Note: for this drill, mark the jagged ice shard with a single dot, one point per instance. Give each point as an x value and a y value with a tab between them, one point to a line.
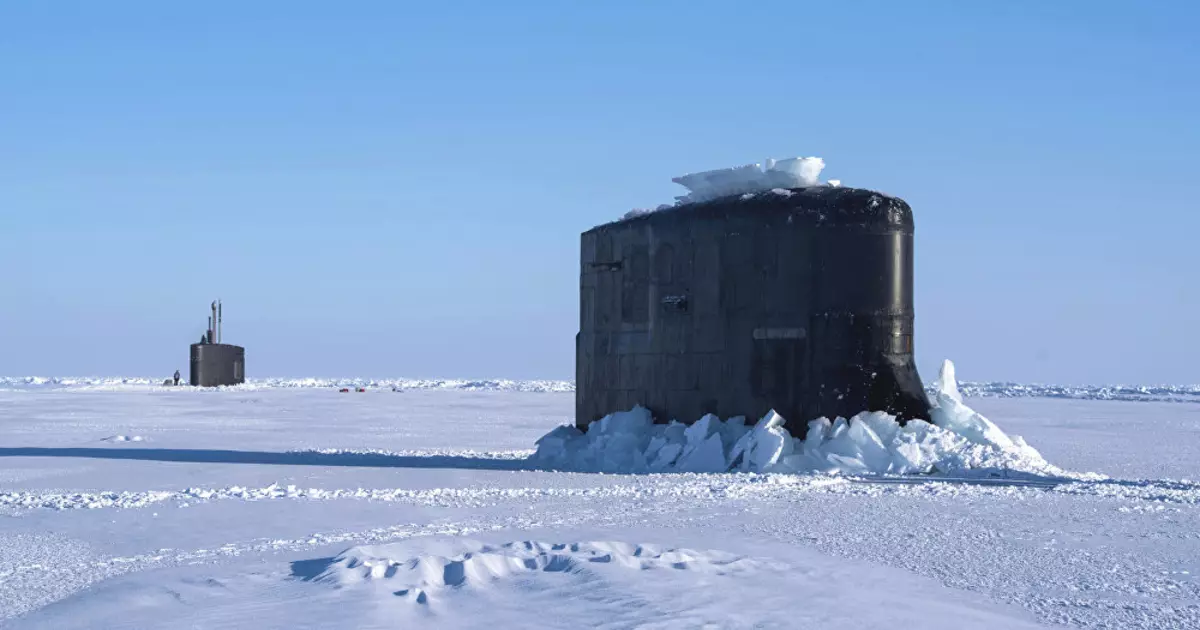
954	440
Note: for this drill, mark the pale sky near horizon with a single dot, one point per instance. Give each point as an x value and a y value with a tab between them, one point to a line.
397	189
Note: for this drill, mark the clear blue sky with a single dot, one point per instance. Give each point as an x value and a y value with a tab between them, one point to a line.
398	188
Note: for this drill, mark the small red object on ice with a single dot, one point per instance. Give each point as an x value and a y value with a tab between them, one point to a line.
362	389
344	390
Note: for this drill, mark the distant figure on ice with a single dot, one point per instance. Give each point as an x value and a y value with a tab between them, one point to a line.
176	377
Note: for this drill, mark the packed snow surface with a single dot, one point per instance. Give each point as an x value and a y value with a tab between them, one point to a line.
957	440
296	506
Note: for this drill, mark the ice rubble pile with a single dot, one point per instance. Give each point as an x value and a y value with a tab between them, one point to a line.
958	441
800	172
775	175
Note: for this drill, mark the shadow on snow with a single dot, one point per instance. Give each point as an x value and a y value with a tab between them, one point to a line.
287	458
463	462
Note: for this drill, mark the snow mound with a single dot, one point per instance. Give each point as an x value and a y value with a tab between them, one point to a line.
799	172
124	438
417	579
956	441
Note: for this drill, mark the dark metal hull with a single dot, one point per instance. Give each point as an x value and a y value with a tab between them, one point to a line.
799	301
215	364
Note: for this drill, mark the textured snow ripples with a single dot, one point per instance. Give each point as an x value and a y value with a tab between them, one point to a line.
695	487
419	578
68	569
681	486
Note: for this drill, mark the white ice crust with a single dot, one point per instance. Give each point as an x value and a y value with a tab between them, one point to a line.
956	441
799	172
750	179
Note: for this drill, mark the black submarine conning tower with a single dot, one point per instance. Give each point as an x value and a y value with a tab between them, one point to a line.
798	300
214	363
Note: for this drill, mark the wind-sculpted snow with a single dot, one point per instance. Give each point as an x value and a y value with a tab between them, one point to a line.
433	497
1132	494
232	503
1128	393
418	579
692	488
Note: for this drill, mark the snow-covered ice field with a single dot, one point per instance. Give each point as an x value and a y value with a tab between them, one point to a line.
130	505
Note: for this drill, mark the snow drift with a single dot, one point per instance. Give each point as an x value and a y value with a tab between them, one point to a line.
419	577
957	440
